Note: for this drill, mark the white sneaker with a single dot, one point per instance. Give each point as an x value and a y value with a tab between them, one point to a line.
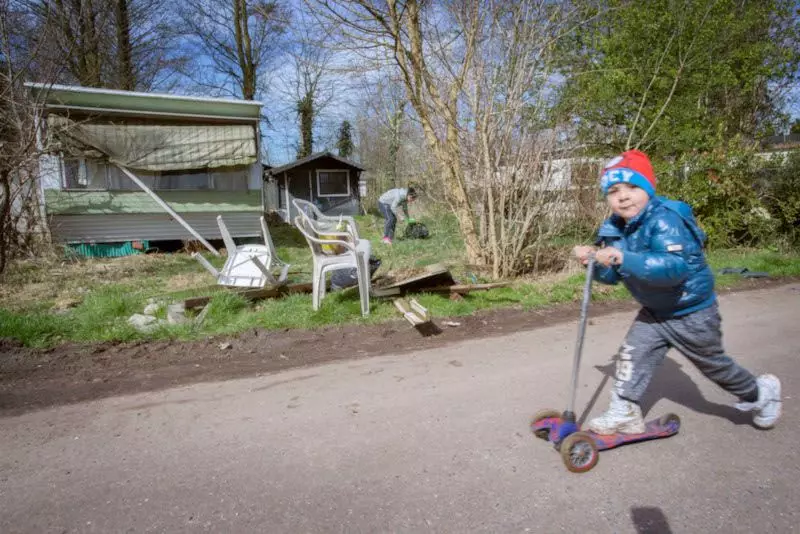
767	409
623	417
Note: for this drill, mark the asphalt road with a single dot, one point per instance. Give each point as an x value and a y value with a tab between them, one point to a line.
434	441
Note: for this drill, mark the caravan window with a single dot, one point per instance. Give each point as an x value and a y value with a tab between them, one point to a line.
223	179
184	180
83	174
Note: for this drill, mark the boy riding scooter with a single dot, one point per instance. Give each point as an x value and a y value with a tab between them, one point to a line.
654	246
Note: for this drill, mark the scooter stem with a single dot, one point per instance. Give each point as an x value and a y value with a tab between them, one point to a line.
587	294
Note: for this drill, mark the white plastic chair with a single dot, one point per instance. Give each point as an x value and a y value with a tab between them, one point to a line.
322	220
356	254
247	265
274	260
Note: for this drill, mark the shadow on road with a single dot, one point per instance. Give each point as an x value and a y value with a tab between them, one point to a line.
671	382
649	519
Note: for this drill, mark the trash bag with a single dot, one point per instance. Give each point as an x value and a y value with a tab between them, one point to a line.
343	278
416	230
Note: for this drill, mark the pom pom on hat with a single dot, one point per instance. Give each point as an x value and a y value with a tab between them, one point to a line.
631	167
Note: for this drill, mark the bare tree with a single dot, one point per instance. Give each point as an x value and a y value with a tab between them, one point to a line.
399	27
157	55
121	44
21	223
238	37
313	89
476	74
386	101
391	145
516	157
77	28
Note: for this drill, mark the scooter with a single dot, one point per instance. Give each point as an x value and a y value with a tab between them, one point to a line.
580	450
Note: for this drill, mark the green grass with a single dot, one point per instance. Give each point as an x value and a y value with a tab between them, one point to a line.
104	293
777	264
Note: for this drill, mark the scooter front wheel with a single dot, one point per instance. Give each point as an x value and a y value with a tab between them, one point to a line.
579	452
543	433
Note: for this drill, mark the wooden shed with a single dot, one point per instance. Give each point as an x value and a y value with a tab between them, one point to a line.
333	183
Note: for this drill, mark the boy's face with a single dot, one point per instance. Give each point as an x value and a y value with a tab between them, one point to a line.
627	200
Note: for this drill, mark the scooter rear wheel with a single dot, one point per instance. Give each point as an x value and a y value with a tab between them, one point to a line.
579	452
668	419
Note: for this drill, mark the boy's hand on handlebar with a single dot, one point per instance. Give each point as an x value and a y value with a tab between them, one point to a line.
582	253
609	256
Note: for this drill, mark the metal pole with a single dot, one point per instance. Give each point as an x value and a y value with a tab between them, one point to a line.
587	293
167	208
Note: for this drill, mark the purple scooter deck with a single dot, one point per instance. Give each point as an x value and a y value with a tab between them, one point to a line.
658	428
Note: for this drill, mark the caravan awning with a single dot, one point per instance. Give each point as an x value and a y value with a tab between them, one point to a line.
154	147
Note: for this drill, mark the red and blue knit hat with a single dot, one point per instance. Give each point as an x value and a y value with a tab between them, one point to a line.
631	167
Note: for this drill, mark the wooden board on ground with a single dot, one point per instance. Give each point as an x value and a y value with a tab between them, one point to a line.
254	294
435	276
418	316
454	289
463	289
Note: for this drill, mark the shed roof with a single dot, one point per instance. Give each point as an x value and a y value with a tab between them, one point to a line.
308	159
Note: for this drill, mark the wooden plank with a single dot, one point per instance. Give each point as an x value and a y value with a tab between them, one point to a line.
254	294
413	311
460	289
436	275
467	288
385	292
195	302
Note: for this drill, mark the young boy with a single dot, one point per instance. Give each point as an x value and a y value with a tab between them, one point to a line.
654	246
388	203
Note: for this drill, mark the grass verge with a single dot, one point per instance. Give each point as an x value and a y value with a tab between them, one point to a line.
91	300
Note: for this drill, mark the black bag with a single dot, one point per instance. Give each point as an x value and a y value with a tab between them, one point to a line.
343	278
416	230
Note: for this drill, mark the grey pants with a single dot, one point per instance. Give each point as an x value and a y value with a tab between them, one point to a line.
391	220
696	335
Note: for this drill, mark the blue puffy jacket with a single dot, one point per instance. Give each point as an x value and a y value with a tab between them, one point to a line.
663	266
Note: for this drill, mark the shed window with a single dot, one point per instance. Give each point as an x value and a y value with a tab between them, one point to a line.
332	183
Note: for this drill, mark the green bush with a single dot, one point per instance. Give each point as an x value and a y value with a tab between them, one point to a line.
727	197
780	183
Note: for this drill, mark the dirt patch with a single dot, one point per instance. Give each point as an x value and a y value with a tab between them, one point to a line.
181	282
32	379
29	281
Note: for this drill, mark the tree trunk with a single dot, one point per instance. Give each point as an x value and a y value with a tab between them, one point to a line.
395	123
244	49
305	109
126	78
450	155
423	93
5	216
89	46
466	222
